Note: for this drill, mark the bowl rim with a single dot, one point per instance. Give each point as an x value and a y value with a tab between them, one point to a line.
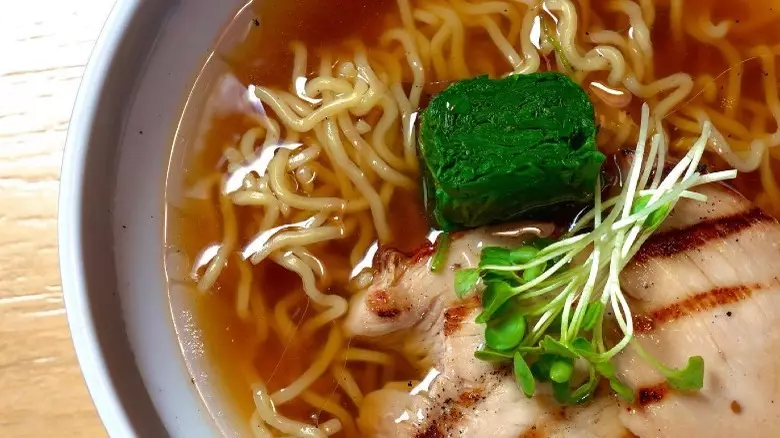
128	102
73	177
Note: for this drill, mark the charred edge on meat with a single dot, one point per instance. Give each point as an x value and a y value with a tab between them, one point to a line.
442	426
381	304
389	266
701	302
471	397
431	431
454	316
649	395
534	432
389	257
451	414
670	243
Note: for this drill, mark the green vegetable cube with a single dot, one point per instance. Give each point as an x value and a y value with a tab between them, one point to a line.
496	150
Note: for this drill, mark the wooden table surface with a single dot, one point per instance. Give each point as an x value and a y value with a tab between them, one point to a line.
44	46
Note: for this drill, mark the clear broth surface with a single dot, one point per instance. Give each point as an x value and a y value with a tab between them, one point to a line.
264	58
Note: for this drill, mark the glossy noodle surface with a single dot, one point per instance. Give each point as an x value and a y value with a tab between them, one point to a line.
297	184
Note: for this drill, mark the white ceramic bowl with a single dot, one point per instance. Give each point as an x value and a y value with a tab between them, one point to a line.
112	217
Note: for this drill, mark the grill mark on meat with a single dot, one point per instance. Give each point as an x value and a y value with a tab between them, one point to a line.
645	323
450	413
390	265
471	397
389	257
454	316
452	417
431	431
534	432
670	243
442	426
383	305
652	394
426	250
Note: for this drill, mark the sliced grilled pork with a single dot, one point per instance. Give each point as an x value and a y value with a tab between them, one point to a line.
416	311
405	294
464	397
707	284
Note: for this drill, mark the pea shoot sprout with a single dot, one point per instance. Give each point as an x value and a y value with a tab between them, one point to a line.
544	307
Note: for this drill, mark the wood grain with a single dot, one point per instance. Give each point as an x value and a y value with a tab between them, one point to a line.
45	45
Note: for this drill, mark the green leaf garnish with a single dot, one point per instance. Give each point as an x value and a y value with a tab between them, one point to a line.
586	390
507	277
523	255
544	304
465	281
561	370
640	203
562	392
622	390
592	315
495	256
583	348
495	295
533	273
489	355
526	350
505	332
442	250
552	346
656	217
523	375
541	368
688	378
606	369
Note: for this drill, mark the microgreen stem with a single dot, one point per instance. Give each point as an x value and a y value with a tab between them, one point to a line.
576	281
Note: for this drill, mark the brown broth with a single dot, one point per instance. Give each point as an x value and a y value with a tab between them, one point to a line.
264	58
